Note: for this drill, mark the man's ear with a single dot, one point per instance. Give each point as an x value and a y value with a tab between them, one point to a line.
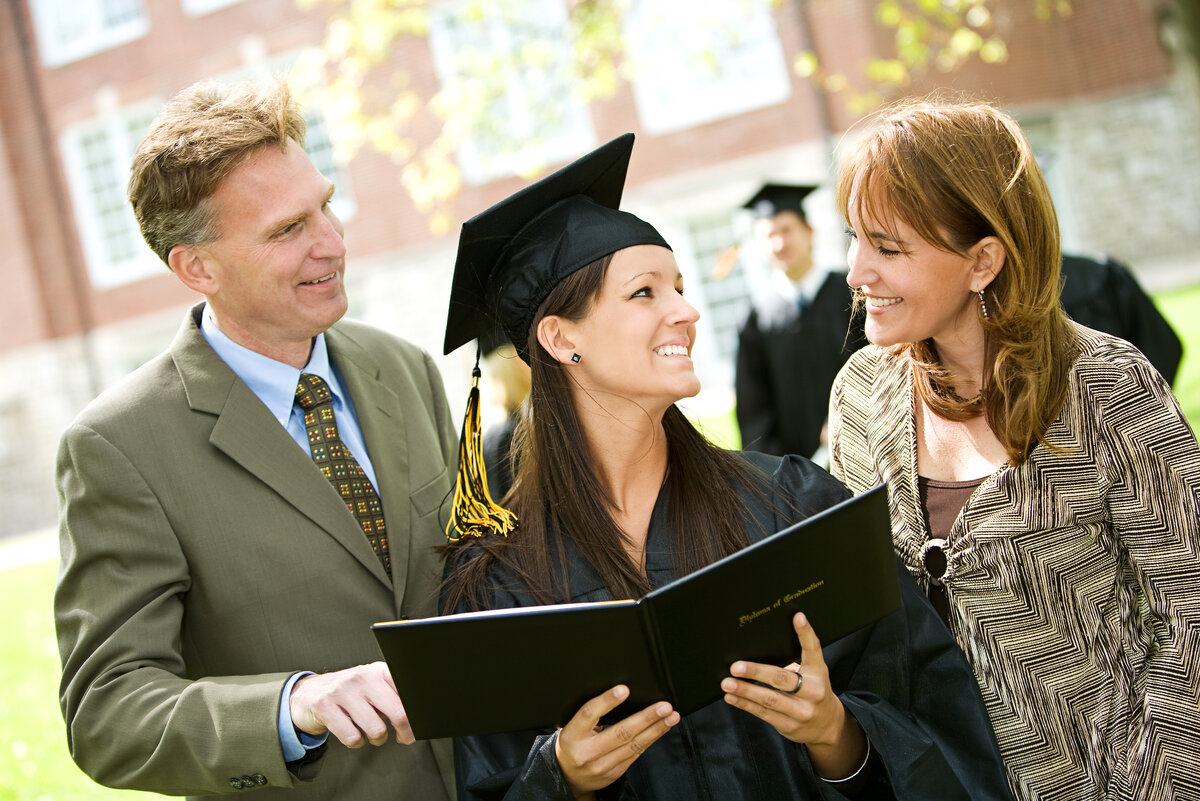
191	266
990	257
553	338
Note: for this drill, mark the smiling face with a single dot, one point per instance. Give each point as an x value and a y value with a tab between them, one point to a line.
273	276
636	341
789	242
912	289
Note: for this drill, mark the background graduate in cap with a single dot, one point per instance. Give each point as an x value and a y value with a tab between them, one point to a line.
617	493
797	335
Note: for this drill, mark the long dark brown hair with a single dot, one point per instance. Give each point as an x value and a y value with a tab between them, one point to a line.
557	493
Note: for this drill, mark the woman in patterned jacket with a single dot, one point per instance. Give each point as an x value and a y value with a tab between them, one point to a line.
1043	482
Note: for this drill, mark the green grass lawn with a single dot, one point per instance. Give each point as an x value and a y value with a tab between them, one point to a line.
1182	308
34	764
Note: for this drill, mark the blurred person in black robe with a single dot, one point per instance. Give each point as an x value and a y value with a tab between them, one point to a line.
618	493
797	335
1101	293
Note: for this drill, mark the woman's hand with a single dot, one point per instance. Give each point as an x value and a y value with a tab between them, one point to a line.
592	756
799	702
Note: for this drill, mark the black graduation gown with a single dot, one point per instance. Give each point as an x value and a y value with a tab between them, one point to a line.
903	679
786	363
1103	294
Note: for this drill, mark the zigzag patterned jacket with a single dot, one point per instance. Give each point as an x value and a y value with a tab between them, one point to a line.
1073	580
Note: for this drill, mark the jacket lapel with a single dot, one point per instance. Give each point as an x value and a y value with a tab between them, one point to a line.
896	433
246	432
381	419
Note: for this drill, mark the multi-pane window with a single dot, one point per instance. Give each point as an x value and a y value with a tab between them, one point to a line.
318	142
698	62
96	155
507	67
72	29
725	286
319	147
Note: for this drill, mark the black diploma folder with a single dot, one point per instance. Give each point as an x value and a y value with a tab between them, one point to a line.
533	667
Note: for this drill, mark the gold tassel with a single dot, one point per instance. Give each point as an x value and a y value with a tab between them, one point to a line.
474	512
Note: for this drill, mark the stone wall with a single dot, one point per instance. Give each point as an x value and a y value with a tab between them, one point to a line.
1125	173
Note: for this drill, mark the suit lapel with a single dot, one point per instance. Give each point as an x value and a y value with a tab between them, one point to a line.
381	419
897	416
246	432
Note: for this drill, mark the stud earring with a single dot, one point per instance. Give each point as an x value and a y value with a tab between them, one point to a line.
983	304
575	357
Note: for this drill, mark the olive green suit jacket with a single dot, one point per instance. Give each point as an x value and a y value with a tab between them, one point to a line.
205	559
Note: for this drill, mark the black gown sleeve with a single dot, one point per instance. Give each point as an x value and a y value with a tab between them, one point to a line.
519	765
907	683
1144	324
911	690
1103	294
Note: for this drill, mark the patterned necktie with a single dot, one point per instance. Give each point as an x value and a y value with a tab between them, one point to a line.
339	466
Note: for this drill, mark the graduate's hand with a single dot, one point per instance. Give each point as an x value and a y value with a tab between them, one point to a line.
355	705
800	703
592	756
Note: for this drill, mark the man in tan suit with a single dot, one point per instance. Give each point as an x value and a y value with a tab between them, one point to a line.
216	591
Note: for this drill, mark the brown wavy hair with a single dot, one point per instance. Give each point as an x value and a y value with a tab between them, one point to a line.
957	171
198	138
558	495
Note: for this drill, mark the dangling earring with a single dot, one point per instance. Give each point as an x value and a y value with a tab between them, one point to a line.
575	357
983	304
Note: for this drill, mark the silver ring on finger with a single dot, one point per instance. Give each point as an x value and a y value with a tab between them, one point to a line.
799	683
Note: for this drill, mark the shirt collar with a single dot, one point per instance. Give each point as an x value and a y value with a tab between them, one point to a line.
808	286
272	382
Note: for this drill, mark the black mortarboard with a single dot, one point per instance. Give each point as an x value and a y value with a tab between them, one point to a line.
491	337
773	199
510	257
513	254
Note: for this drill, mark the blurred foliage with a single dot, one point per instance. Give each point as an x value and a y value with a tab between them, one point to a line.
370	99
927	36
1181	307
422	133
1183	18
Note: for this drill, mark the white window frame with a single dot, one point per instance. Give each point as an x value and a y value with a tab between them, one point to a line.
318	142
92	33
694	63
198	8
97	208
542	143
709	236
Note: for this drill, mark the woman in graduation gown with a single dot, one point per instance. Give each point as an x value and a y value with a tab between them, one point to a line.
617	493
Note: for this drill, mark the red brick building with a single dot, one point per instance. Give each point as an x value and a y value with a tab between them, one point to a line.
1108	105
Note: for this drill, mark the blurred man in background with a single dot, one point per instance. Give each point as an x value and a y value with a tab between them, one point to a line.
798	334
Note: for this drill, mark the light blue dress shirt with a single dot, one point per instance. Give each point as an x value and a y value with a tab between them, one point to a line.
274	383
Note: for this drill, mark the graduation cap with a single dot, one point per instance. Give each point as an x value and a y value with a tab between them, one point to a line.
510	257
774	199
